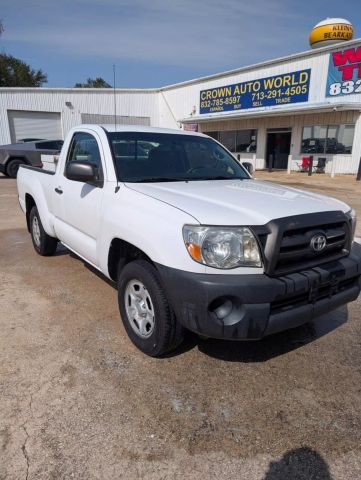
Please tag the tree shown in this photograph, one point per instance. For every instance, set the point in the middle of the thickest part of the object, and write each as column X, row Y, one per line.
column 91, row 83
column 16, row 73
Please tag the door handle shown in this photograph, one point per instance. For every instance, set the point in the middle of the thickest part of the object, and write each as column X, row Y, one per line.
column 59, row 190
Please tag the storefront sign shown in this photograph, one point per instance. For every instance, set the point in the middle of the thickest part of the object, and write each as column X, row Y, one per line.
column 344, row 72
column 190, row 127
column 265, row 92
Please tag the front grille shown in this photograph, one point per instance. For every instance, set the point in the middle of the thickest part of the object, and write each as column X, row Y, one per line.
column 296, row 246
column 287, row 246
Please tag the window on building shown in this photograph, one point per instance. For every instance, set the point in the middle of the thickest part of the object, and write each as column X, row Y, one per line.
column 246, row 141
column 214, row 135
column 228, row 139
column 237, row 140
column 340, row 138
column 330, row 139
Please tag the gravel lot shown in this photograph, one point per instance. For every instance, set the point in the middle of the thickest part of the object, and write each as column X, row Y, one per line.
column 77, row 400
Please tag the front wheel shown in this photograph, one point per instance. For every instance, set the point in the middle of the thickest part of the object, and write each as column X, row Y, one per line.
column 43, row 243
column 146, row 314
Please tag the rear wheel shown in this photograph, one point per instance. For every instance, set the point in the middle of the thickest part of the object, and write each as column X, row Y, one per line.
column 146, row 314
column 43, row 243
column 13, row 167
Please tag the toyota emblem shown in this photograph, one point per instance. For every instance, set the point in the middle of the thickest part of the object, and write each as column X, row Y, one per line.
column 318, row 243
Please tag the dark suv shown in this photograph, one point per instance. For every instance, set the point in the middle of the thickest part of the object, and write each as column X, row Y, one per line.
column 29, row 153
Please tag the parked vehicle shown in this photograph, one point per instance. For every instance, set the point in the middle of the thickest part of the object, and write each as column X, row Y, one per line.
column 192, row 240
column 26, row 153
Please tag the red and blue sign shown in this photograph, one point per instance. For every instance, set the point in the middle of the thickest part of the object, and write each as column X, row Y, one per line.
column 344, row 72
column 264, row 92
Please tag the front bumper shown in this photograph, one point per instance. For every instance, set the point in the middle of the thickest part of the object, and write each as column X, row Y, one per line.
column 252, row 306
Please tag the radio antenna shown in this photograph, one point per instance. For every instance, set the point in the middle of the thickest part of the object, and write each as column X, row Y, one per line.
column 115, row 100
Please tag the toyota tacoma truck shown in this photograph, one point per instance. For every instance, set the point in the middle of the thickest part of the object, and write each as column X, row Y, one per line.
column 191, row 239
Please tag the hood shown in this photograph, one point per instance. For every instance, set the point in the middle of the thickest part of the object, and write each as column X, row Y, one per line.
column 238, row 202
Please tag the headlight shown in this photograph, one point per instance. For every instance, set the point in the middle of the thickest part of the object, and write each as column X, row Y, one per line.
column 352, row 213
column 222, row 247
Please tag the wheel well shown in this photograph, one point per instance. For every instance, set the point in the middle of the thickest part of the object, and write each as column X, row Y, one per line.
column 124, row 252
column 29, row 204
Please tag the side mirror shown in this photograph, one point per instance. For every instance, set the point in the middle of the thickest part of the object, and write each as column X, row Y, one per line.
column 82, row 172
column 248, row 166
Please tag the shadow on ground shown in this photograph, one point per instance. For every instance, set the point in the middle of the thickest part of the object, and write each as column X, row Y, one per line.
column 300, row 464
column 269, row 347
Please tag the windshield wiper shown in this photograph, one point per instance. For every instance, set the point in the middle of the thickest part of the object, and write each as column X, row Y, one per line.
column 161, row 179
column 219, row 177
column 186, row 179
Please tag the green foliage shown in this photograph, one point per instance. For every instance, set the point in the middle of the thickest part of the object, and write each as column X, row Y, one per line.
column 93, row 83
column 16, row 73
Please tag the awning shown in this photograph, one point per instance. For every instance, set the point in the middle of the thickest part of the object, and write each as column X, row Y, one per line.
column 275, row 111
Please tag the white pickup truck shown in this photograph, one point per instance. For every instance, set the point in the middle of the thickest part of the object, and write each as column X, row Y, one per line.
column 192, row 240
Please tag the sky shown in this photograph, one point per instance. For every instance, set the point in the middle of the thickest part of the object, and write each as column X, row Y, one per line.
column 153, row 43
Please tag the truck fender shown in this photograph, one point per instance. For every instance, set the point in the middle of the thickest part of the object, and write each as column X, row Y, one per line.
column 41, row 204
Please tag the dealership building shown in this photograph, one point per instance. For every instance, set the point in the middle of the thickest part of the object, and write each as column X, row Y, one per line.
column 272, row 113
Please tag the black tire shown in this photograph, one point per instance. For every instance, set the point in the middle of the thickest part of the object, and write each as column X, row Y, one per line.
column 44, row 244
column 248, row 166
column 13, row 166
column 166, row 333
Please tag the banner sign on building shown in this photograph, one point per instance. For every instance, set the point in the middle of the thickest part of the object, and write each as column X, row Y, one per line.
column 265, row 92
column 190, row 127
column 344, row 72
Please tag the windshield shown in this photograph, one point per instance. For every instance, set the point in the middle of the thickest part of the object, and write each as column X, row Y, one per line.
column 164, row 157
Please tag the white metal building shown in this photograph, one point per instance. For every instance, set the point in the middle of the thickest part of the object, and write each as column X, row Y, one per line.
column 276, row 111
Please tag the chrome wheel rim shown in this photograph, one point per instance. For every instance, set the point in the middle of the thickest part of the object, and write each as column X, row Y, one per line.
column 139, row 308
column 36, row 231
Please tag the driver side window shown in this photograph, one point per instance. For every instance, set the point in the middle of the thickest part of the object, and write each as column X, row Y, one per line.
column 84, row 148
